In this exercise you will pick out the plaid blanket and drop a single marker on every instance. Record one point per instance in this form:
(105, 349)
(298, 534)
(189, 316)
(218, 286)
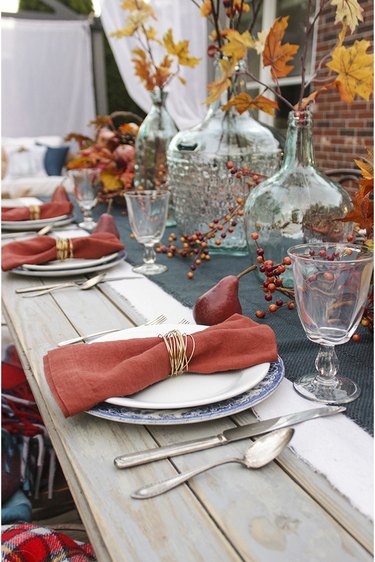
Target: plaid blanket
(30, 543)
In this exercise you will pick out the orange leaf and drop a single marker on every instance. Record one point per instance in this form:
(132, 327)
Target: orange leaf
(244, 102)
(143, 69)
(275, 54)
(313, 96)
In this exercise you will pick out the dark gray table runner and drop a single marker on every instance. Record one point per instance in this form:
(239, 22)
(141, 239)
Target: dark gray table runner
(297, 352)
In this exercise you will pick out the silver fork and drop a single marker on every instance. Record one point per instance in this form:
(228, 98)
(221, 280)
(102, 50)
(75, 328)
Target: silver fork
(88, 284)
(158, 320)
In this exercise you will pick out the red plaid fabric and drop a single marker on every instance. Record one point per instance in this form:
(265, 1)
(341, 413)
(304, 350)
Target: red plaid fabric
(30, 543)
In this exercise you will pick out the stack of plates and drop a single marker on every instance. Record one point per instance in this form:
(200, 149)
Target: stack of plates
(70, 267)
(189, 398)
(20, 226)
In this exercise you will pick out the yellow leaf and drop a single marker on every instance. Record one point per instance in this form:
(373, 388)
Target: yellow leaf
(151, 35)
(206, 8)
(244, 102)
(135, 21)
(355, 69)
(367, 169)
(218, 87)
(275, 54)
(348, 12)
(237, 43)
(182, 80)
(138, 6)
(110, 182)
(258, 43)
(179, 50)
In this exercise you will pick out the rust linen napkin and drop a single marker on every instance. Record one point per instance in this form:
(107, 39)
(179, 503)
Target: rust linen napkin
(45, 211)
(42, 249)
(81, 376)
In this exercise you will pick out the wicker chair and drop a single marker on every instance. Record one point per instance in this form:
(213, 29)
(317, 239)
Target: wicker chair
(344, 176)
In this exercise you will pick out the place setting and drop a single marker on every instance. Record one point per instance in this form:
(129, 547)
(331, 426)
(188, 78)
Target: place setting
(65, 253)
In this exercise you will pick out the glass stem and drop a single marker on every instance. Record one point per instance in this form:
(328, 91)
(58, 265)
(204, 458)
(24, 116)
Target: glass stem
(327, 365)
(149, 255)
(87, 215)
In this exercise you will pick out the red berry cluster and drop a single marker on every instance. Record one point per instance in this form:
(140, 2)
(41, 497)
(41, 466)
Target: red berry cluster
(273, 281)
(244, 171)
(196, 245)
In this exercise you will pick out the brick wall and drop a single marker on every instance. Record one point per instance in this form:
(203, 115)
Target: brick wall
(342, 131)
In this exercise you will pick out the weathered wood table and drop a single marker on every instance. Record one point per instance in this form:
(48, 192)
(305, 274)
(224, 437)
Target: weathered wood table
(283, 512)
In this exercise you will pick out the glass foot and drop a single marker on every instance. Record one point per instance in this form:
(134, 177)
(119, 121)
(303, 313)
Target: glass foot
(150, 268)
(88, 225)
(341, 391)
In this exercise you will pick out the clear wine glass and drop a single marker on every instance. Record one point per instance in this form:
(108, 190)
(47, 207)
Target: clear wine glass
(147, 212)
(86, 184)
(331, 284)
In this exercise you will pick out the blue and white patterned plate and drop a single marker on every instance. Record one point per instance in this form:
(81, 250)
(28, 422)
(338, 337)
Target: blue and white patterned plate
(199, 413)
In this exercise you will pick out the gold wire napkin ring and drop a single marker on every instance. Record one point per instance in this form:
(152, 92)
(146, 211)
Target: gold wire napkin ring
(34, 212)
(176, 344)
(64, 248)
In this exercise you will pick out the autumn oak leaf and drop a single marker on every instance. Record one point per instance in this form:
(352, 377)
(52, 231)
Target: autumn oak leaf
(143, 69)
(355, 69)
(237, 44)
(206, 8)
(179, 50)
(244, 102)
(275, 54)
(138, 6)
(348, 12)
(218, 87)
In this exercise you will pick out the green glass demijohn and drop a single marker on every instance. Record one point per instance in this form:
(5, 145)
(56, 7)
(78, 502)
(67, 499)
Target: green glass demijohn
(202, 187)
(298, 204)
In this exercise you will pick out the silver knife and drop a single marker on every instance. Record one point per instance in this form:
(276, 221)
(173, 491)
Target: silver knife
(105, 280)
(234, 434)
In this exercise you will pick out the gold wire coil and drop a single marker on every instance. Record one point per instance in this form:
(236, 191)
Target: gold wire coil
(64, 248)
(176, 344)
(34, 212)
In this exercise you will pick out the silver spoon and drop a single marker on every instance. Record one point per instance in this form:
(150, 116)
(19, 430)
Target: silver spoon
(83, 287)
(261, 452)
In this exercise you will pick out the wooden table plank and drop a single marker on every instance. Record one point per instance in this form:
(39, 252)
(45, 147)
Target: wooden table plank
(230, 513)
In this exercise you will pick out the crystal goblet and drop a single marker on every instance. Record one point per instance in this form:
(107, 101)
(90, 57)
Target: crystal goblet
(86, 184)
(147, 212)
(331, 284)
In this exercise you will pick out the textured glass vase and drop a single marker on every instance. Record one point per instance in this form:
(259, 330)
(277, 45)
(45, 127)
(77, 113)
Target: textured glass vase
(151, 145)
(298, 204)
(203, 188)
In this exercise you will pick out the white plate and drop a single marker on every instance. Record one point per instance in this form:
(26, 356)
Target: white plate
(74, 263)
(70, 272)
(19, 226)
(187, 390)
(200, 413)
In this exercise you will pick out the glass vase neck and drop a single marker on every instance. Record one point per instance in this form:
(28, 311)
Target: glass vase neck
(299, 149)
(159, 97)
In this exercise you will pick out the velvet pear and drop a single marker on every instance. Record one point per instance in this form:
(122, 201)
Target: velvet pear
(219, 302)
(107, 223)
(60, 194)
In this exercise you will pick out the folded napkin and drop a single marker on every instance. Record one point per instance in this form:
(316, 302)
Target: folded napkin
(43, 249)
(37, 212)
(81, 376)
(58, 206)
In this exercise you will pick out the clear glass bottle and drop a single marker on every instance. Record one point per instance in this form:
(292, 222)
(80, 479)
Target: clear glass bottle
(154, 136)
(298, 204)
(202, 186)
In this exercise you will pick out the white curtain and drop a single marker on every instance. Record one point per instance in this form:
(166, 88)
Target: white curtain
(47, 79)
(185, 103)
